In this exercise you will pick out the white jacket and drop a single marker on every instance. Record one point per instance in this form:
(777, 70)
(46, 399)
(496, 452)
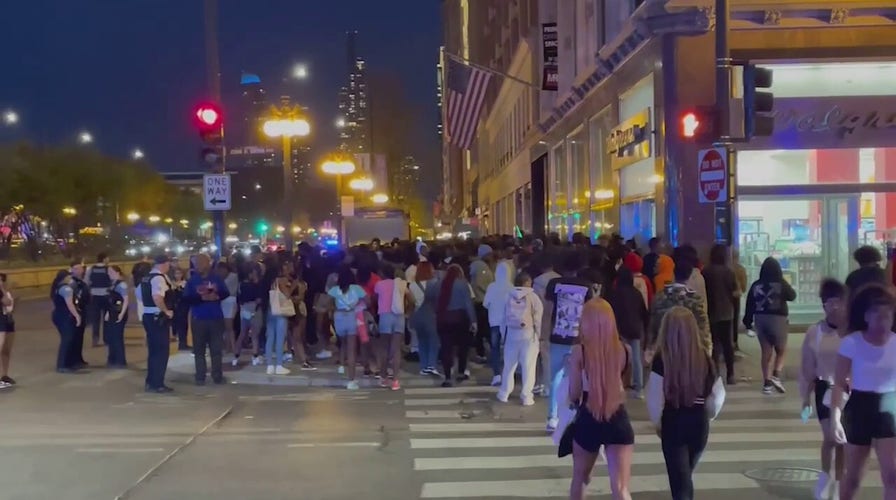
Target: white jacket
(496, 294)
(532, 328)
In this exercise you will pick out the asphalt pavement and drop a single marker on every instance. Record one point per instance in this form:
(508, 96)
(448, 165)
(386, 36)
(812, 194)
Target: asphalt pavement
(96, 435)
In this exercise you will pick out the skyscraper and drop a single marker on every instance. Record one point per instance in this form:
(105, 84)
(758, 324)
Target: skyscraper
(353, 104)
(405, 181)
(253, 107)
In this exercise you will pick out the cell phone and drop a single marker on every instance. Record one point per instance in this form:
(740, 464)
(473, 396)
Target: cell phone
(806, 414)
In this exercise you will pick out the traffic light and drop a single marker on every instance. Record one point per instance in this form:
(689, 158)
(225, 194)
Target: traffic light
(699, 124)
(209, 119)
(262, 226)
(758, 104)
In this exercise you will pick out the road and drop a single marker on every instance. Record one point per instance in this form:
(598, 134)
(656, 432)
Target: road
(97, 436)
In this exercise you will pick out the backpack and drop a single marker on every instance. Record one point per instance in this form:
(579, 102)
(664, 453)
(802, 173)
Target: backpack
(516, 313)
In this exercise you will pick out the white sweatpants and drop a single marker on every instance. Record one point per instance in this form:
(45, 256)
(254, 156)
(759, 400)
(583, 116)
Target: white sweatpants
(522, 353)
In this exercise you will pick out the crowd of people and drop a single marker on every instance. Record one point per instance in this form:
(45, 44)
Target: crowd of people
(583, 325)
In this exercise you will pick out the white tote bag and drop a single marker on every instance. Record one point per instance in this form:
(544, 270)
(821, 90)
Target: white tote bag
(280, 303)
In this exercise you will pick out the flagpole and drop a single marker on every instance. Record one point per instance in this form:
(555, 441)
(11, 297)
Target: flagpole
(464, 60)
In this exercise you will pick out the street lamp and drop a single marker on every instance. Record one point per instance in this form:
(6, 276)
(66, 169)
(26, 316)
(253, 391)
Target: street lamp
(361, 184)
(10, 117)
(300, 71)
(85, 137)
(232, 226)
(133, 216)
(154, 218)
(339, 164)
(380, 198)
(287, 122)
(340, 122)
(70, 211)
(138, 154)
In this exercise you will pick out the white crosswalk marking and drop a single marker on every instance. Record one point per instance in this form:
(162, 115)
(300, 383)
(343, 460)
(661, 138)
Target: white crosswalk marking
(468, 445)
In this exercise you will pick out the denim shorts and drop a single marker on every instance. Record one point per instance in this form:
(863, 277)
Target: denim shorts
(345, 323)
(391, 323)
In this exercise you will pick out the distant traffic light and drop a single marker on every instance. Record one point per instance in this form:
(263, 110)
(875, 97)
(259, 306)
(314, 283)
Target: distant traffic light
(758, 105)
(699, 124)
(262, 226)
(209, 119)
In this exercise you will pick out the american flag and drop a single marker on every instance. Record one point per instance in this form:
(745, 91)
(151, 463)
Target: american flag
(464, 98)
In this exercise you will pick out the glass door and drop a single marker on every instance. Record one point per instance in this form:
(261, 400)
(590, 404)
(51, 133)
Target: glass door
(842, 235)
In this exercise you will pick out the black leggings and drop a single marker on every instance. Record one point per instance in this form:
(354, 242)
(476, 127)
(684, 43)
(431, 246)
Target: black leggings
(722, 345)
(454, 334)
(684, 434)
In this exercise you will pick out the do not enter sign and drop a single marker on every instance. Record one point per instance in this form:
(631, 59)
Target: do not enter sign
(712, 175)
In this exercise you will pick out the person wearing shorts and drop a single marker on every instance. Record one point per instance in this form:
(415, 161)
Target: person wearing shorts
(391, 324)
(7, 332)
(767, 311)
(348, 301)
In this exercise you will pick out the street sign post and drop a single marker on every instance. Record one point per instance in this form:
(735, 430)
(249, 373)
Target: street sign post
(712, 175)
(216, 194)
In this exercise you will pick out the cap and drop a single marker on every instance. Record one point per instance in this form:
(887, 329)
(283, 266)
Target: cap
(161, 259)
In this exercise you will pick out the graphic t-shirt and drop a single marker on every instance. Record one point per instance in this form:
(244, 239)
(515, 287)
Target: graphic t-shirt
(569, 295)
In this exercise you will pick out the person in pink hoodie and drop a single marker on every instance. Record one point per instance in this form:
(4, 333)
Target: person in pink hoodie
(634, 263)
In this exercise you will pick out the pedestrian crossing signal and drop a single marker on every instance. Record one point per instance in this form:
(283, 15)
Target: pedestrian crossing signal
(698, 124)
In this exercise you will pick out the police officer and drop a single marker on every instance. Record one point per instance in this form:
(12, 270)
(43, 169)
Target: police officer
(116, 317)
(66, 316)
(99, 282)
(82, 303)
(155, 295)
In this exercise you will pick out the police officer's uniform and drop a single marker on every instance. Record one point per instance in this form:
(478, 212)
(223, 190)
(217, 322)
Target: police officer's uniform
(64, 322)
(99, 282)
(157, 325)
(113, 331)
(81, 300)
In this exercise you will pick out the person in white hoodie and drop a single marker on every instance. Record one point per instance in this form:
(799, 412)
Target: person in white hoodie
(495, 301)
(545, 264)
(522, 319)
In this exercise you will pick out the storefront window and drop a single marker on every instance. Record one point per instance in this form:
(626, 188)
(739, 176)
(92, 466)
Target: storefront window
(577, 144)
(559, 181)
(638, 220)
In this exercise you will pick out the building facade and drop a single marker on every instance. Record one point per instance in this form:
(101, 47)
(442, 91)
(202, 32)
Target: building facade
(253, 106)
(354, 107)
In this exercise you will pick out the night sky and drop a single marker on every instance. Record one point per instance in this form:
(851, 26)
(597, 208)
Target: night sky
(129, 71)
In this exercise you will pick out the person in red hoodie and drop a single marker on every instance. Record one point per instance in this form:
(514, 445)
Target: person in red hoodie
(634, 263)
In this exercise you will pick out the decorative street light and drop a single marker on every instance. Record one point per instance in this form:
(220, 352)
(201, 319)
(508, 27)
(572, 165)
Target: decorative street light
(380, 198)
(361, 184)
(133, 216)
(154, 218)
(339, 164)
(70, 211)
(287, 122)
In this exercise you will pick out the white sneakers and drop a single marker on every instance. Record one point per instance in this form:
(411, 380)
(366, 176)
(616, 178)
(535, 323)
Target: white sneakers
(257, 360)
(271, 369)
(552, 424)
(278, 370)
(324, 354)
(235, 362)
(496, 381)
(826, 488)
(352, 385)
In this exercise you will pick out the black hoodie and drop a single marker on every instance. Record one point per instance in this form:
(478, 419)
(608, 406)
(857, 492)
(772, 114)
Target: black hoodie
(769, 294)
(632, 316)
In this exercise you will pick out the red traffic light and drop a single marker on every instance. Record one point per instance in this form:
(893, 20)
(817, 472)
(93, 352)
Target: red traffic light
(209, 116)
(698, 124)
(689, 124)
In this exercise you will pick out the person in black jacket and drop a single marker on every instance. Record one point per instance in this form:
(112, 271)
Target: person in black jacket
(767, 308)
(632, 319)
(868, 258)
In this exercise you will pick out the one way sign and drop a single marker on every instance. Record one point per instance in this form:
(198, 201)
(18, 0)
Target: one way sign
(216, 192)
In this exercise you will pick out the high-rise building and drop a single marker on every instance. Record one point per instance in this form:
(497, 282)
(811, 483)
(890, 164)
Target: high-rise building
(253, 107)
(405, 181)
(353, 104)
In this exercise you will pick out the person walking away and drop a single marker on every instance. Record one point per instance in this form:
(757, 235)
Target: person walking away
(348, 303)
(665, 272)
(158, 310)
(545, 264)
(642, 284)
(323, 318)
(596, 365)
(99, 282)
(678, 294)
(116, 317)
(684, 393)
(569, 293)
(82, 300)
(495, 302)
(180, 323)
(423, 319)
(819, 360)
(456, 322)
(7, 331)
(389, 294)
(740, 275)
(632, 320)
(721, 287)
(66, 316)
(521, 323)
(696, 281)
(298, 324)
(868, 258)
(204, 293)
(249, 298)
(651, 258)
(866, 372)
(228, 305)
(767, 307)
(482, 274)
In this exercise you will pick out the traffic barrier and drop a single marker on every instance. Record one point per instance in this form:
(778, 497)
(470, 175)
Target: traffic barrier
(35, 278)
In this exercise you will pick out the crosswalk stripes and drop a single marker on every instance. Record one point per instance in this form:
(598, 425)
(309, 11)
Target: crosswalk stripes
(463, 448)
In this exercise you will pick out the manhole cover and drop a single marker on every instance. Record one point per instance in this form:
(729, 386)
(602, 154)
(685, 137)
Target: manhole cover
(784, 474)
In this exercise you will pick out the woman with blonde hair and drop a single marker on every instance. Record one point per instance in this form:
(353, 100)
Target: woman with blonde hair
(595, 370)
(684, 393)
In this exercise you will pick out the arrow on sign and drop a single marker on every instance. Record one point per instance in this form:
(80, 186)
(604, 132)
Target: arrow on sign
(215, 201)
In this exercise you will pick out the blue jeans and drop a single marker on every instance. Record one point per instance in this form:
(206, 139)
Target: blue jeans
(637, 363)
(427, 339)
(559, 353)
(276, 339)
(495, 352)
(157, 345)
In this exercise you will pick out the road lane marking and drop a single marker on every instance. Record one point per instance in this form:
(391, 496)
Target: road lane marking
(370, 444)
(420, 391)
(119, 450)
(642, 439)
(440, 413)
(640, 425)
(445, 402)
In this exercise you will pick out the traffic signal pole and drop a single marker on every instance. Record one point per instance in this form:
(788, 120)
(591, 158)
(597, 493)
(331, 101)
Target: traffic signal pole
(724, 209)
(213, 67)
